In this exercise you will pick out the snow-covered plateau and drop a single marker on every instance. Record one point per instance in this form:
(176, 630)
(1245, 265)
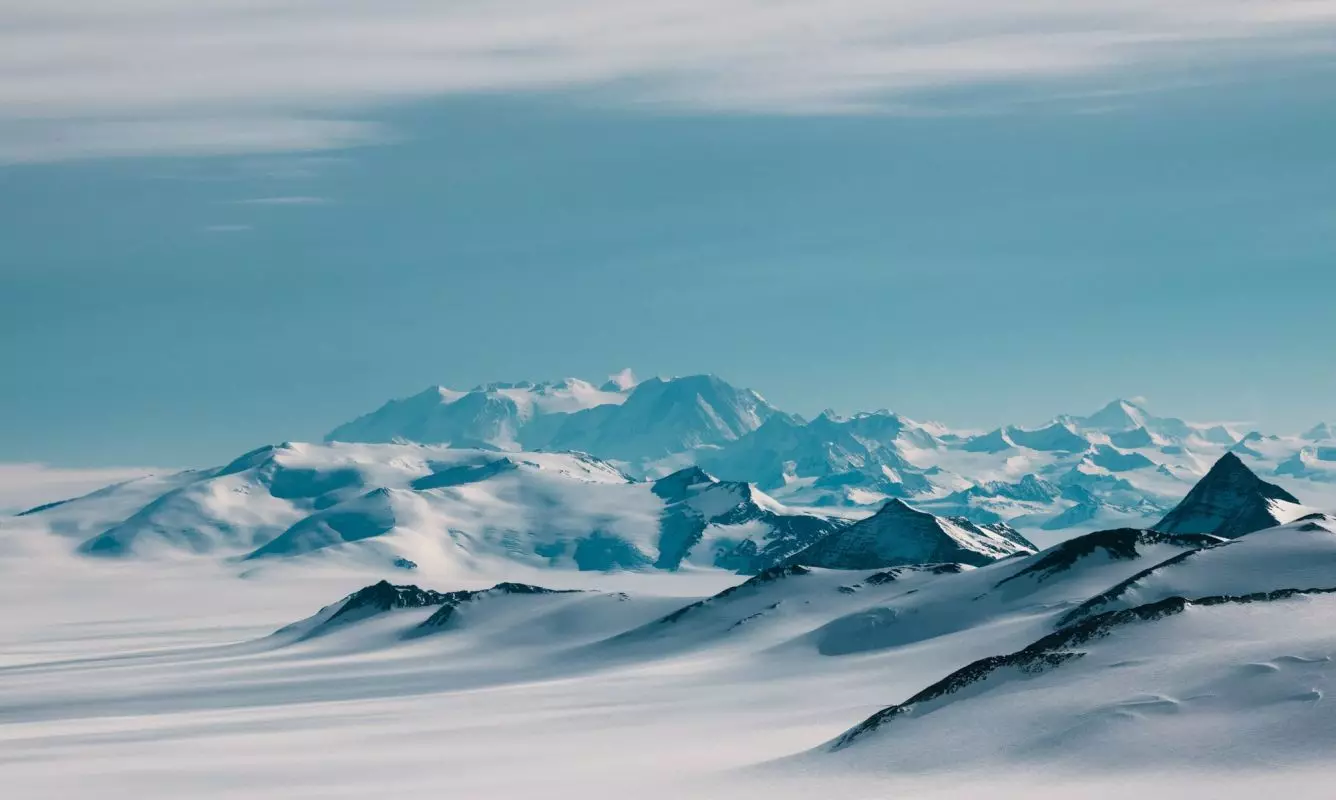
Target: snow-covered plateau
(672, 589)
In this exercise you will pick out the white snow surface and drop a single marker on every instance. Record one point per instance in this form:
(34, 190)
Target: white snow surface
(202, 667)
(146, 679)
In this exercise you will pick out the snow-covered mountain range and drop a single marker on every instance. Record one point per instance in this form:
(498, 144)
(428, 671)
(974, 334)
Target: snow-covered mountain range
(1121, 464)
(768, 606)
(692, 472)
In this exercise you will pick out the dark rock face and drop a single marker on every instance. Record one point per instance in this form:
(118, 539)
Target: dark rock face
(892, 575)
(385, 596)
(464, 473)
(676, 487)
(1120, 543)
(683, 522)
(898, 535)
(455, 600)
(1054, 650)
(600, 552)
(1229, 501)
(760, 579)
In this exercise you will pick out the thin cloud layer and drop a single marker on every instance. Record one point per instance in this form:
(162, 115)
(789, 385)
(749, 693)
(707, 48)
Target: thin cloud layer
(184, 77)
(25, 485)
(293, 200)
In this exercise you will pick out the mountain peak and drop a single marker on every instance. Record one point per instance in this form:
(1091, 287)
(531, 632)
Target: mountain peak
(899, 534)
(1229, 501)
(674, 487)
(621, 381)
(1118, 415)
(1319, 432)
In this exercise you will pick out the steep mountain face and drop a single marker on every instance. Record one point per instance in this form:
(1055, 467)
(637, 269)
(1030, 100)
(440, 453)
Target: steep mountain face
(1125, 415)
(1118, 415)
(665, 417)
(1229, 502)
(730, 525)
(1134, 438)
(899, 534)
(862, 451)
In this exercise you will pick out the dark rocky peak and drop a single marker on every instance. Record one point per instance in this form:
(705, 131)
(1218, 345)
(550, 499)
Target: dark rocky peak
(1229, 501)
(677, 486)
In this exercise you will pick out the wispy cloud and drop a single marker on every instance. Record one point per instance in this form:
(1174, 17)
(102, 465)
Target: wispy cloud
(140, 77)
(24, 485)
(297, 200)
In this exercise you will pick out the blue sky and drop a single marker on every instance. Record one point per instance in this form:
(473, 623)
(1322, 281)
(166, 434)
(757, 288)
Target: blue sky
(984, 220)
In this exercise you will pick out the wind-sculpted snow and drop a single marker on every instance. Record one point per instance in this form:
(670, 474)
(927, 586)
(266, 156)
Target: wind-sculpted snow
(1051, 652)
(760, 579)
(434, 507)
(1298, 555)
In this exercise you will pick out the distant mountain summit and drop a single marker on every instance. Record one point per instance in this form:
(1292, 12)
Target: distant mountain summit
(621, 420)
(1119, 415)
(900, 534)
(864, 451)
(1319, 433)
(504, 416)
(661, 417)
(1229, 502)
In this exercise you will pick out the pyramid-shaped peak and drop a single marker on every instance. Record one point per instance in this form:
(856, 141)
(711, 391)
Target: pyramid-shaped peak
(1230, 465)
(1320, 432)
(1230, 471)
(1119, 415)
(1230, 501)
(899, 534)
(897, 506)
(675, 486)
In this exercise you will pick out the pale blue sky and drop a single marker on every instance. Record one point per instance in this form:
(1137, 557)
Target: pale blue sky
(975, 252)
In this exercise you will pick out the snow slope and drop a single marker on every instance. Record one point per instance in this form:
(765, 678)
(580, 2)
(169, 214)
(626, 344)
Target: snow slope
(452, 511)
(143, 678)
